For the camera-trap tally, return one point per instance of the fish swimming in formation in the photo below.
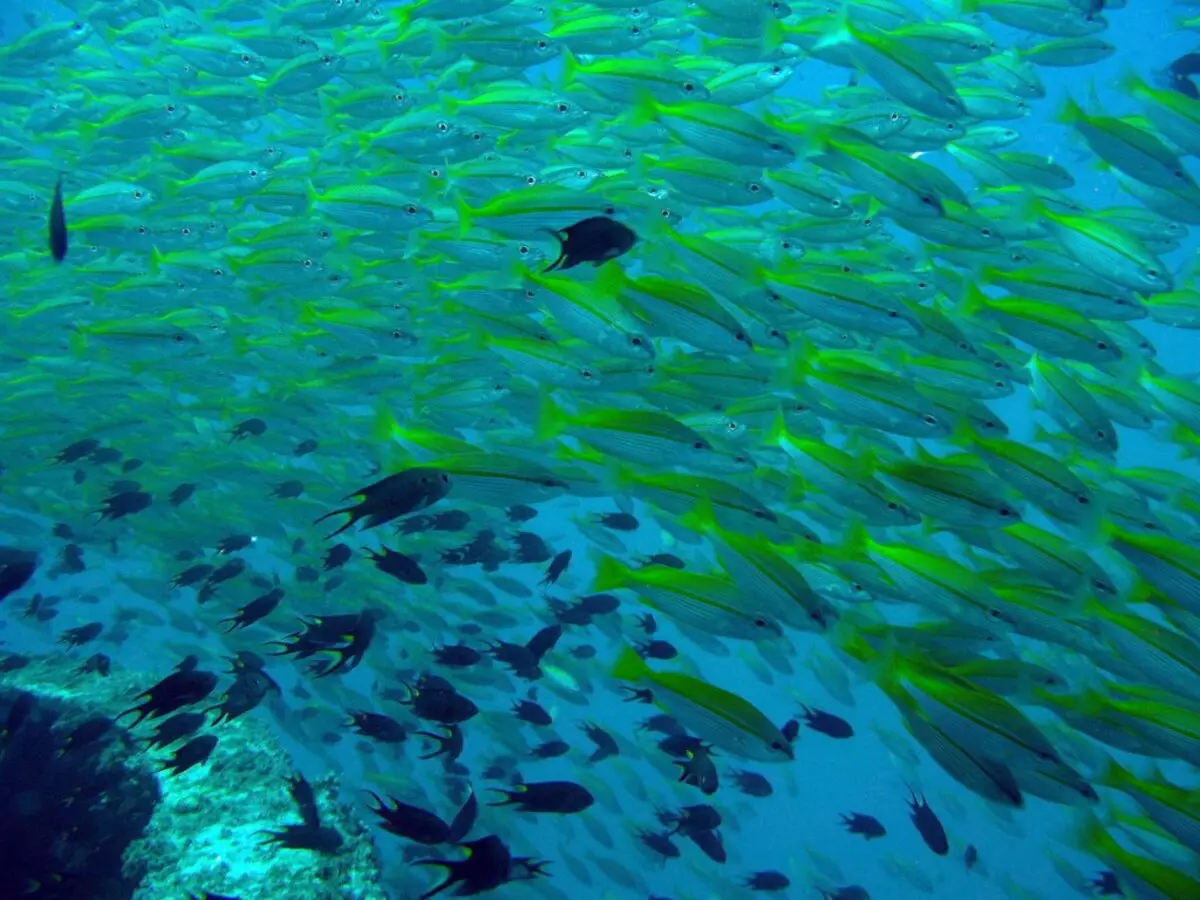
(861, 360)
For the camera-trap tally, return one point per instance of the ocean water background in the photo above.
(796, 830)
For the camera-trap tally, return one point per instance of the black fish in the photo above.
(533, 713)
(179, 689)
(547, 797)
(73, 637)
(58, 225)
(457, 655)
(768, 881)
(397, 495)
(377, 726)
(256, 609)
(596, 240)
(422, 826)
(400, 566)
(173, 729)
(752, 783)
(860, 823)
(193, 753)
(16, 568)
(488, 865)
(700, 771)
(827, 723)
(928, 825)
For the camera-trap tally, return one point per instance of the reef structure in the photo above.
(87, 812)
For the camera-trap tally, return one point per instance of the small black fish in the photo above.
(59, 241)
(378, 727)
(752, 784)
(400, 566)
(606, 745)
(488, 865)
(768, 881)
(657, 650)
(557, 567)
(181, 494)
(533, 713)
(596, 240)
(827, 723)
(173, 729)
(73, 637)
(550, 749)
(179, 689)
(457, 655)
(16, 568)
(860, 823)
(195, 752)
(929, 826)
(397, 495)
(248, 428)
(547, 797)
(700, 771)
(256, 609)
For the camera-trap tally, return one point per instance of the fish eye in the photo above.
(477, 136)
(868, 220)
(755, 188)
(1004, 512)
(443, 127)
(776, 70)
(218, 273)
(411, 210)
(142, 229)
(988, 423)
(893, 505)
(895, 117)
(542, 45)
(929, 419)
(760, 622)
(529, 295)
(397, 334)
(610, 210)
(245, 58)
(922, 285)
(892, 314)
(635, 31)
(986, 232)
(1082, 500)
(185, 231)
(1153, 273)
(581, 174)
(177, 338)
(688, 86)
(778, 148)
(76, 26)
(531, 180)
(699, 445)
(399, 98)
(308, 263)
(1000, 384)
(732, 426)
(562, 108)
(445, 478)
(740, 336)
(777, 745)
(995, 613)
(254, 173)
(974, 46)
(1101, 345)
(665, 213)
(927, 200)
(586, 373)
(523, 250)
(637, 341)
(435, 173)
(1101, 434)
(327, 59)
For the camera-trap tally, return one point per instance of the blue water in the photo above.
(795, 831)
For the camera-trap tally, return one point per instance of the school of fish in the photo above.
(539, 355)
